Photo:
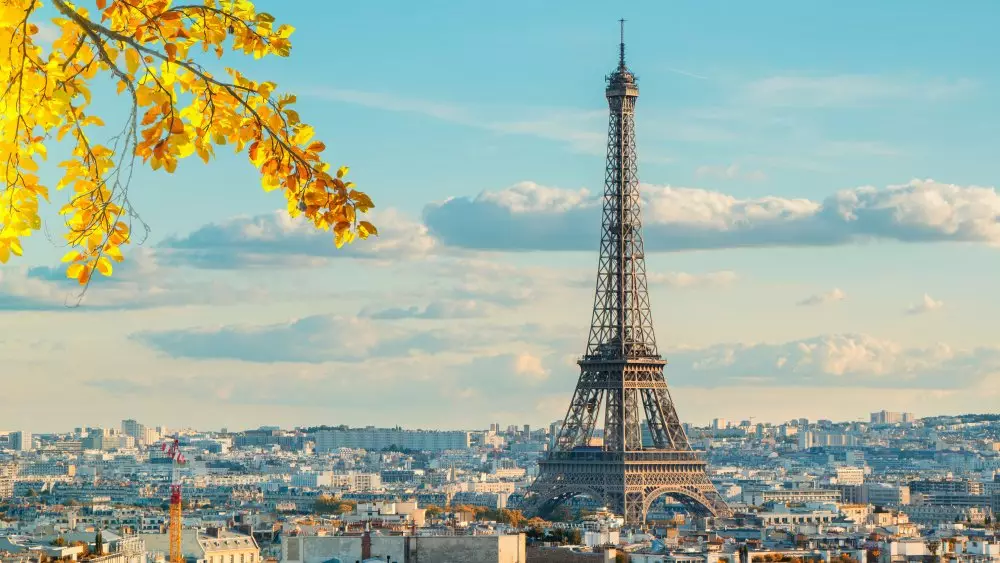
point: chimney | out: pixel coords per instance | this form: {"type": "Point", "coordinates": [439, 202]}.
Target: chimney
{"type": "Point", "coordinates": [366, 544]}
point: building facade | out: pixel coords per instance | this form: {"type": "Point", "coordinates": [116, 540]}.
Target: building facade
{"type": "Point", "coordinates": [404, 549]}
{"type": "Point", "coordinates": [371, 438]}
{"type": "Point", "coordinates": [8, 474]}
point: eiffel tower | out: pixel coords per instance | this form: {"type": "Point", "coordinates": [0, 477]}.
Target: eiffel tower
{"type": "Point", "coordinates": [621, 373]}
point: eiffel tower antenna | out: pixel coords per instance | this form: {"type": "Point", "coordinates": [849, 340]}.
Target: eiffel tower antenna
{"type": "Point", "coordinates": [642, 453]}
{"type": "Point", "coordinates": [621, 44]}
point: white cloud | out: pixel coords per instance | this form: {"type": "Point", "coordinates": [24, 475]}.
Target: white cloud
{"type": "Point", "coordinates": [527, 216]}
{"type": "Point", "coordinates": [141, 281]}
{"type": "Point", "coordinates": [847, 90]}
{"type": "Point", "coordinates": [849, 360]}
{"type": "Point", "coordinates": [530, 366]}
{"type": "Point", "coordinates": [312, 339]}
{"type": "Point", "coordinates": [439, 309]}
{"type": "Point", "coordinates": [275, 239]}
{"type": "Point", "coordinates": [686, 280]}
{"type": "Point", "coordinates": [731, 172]}
{"type": "Point", "coordinates": [926, 305]}
{"type": "Point", "coordinates": [832, 296]}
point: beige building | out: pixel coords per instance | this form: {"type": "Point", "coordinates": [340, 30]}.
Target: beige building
{"type": "Point", "coordinates": [387, 512]}
{"type": "Point", "coordinates": [404, 549]}
{"type": "Point", "coordinates": [492, 487]}
{"type": "Point", "coordinates": [8, 474]}
{"type": "Point", "coordinates": [857, 513]}
{"type": "Point", "coordinates": [211, 546]}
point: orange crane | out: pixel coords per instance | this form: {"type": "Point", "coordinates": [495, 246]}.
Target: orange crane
{"type": "Point", "coordinates": [176, 515]}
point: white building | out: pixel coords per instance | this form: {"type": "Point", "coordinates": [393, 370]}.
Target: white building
{"type": "Point", "coordinates": [374, 547]}
{"type": "Point", "coordinates": [850, 475]}
{"type": "Point", "coordinates": [18, 441]}
{"type": "Point", "coordinates": [371, 438]}
{"type": "Point", "coordinates": [8, 474]}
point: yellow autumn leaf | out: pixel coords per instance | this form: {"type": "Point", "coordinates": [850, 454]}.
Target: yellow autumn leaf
{"type": "Point", "coordinates": [71, 256]}
{"type": "Point", "coordinates": [367, 228]}
{"type": "Point", "coordinates": [131, 61]}
{"type": "Point", "coordinates": [74, 270]}
{"type": "Point", "coordinates": [157, 65]}
{"type": "Point", "coordinates": [104, 266]}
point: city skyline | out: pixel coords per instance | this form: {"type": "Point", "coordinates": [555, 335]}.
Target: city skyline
{"type": "Point", "coordinates": [782, 283]}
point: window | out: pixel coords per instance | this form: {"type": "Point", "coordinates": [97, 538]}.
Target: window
{"type": "Point", "coordinates": [243, 558]}
{"type": "Point", "coordinates": [232, 558]}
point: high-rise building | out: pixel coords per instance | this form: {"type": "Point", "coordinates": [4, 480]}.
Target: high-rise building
{"type": "Point", "coordinates": [8, 474]}
{"type": "Point", "coordinates": [141, 434]}
{"type": "Point", "coordinates": [17, 441]}
{"type": "Point", "coordinates": [891, 417]}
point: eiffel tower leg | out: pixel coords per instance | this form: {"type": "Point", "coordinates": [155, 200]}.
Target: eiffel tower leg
{"type": "Point", "coordinates": [635, 510]}
{"type": "Point", "coordinates": [671, 422]}
{"type": "Point", "coordinates": [613, 421]}
{"type": "Point", "coordinates": [632, 418]}
{"type": "Point", "coordinates": [580, 419]}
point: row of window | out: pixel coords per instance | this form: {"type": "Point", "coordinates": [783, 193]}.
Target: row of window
{"type": "Point", "coordinates": [232, 558]}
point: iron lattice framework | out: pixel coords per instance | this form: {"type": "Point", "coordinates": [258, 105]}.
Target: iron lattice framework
{"type": "Point", "coordinates": [621, 373]}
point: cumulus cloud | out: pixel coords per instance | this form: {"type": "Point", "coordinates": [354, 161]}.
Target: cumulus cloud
{"type": "Point", "coordinates": [832, 296]}
{"type": "Point", "coordinates": [848, 360]}
{"type": "Point", "coordinates": [312, 339]}
{"type": "Point", "coordinates": [677, 280]}
{"type": "Point", "coordinates": [530, 366]}
{"type": "Point", "coordinates": [684, 279]}
{"type": "Point", "coordinates": [275, 239]}
{"type": "Point", "coordinates": [926, 305]}
{"type": "Point", "coordinates": [326, 338]}
{"type": "Point", "coordinates": [527, 216]}
{"type": "Point", "coordinates": [442, 309]}
{"type": "Point", "coordinates": [141, 281]}
{"type": "Point", "coordinates": [731, 172]}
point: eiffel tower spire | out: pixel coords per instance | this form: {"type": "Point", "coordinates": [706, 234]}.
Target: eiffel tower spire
{"type": "Point", "coordinates": [621, 372]}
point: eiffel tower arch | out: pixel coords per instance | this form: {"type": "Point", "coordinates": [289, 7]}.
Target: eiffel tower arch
{"type": "Point", "coordinates": [621, 374]}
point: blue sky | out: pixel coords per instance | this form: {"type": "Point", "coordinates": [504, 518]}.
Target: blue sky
{"type": "Point", "coordinates": [770, 134]}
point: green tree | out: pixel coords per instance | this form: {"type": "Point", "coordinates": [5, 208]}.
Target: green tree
{"type": "Point", "coordinates": [433, 511]}
{"type": "Point", "coordinates": [99, 543]}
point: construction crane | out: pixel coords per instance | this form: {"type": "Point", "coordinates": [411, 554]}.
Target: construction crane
{"type": "Point", "coordinates": [176, 515]}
